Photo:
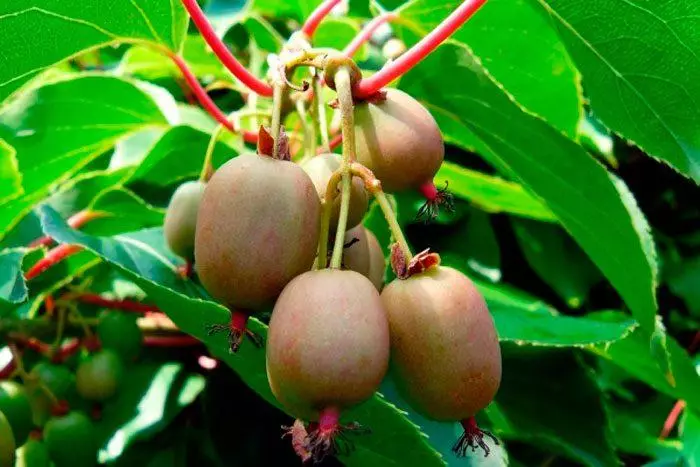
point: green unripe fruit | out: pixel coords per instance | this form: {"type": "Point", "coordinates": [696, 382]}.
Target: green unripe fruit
{"type": "Point", "coordinates": [120, 332]}
{"type": "Point", "coordinates": [14, 403]}
{"type": "Point", "coordinates": [58, 379]}
{"type": "Point", "coordinates": [398, 140]}
{"type": "Point", "coordinates": [445, 354]}
{"type": "Point", "coordinates": [33, 454]}
{"type": "Point", "coordinates": [181, 218]}
{"type": "Point", "coordinates": [257, 229]}
{"type": "Point", "coordinates": [7, 443]}
{"type": "Point", "coordinates": [328, 342]}
{"type": "Point", "coordinates": [320, 169]}
{"type": "Point", "coordinates": [364, 255]}
{"type": "Point", "coordinates": [70, 440]}
{"type": "Point", "coordinates": [99, 375]}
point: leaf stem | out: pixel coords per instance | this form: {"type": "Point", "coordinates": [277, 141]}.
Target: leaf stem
{"type": "Point", "coordinates": [52, 257]}
{"type": "Point", "coordinates": [368, 86]}
{"type": "Point", "coordinates": [366, 33]}
{"type": "Point", "coordinates": [75, 221]}
{"type": "Point", "coordinates": [208, 166]}
{"type": "Point", "coordinates": [322, 117]}
{"type": "Point", "coordinates": [251, 81]}
{"type": "Point", "coordinates": [315, 18]}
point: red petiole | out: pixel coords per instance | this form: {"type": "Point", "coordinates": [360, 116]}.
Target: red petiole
{"type": "Point", "coordinates": [315, 18]}
{"type": "Point", "coordinates": [367, 32]}
{"type": "Point", "coordinates": [52, 257]}
{"type": "Point", "coordinates": [125, 305]}
{"type": "Point", "coordinates": [75, 221]}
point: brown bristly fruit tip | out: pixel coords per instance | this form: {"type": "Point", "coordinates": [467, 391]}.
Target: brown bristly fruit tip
{"type": "Point", "coordinates": [96, 411]}
{"type": "Point", "coordinates": [298, 434]}
{"type": "Point", "coordinates": [92, 344]}
{"type": "Point", "coordinates": [421, 262]}
{"type": "Point", "coordinates": [473, 437]}
{"type": "Point", "coordinates": [266, 144]}
{"type": "Point", "coordinates": [236, 330]}
{"type": "Point", "coordinates": [185, 270]}
{"type": "Point", "coordinates": [60, 409]}
{"type": "Point", "coordinates": [328, 437]}
{"type": "Point", "coordinates": [434, 199]}
{"type": "Point", "coordinates": [36, 434]}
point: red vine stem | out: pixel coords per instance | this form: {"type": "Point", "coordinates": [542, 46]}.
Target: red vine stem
{"type": "Point", "coordinates": [206, 101]}
{"type": "Point", "coordinates": [170, 341]}
{"type": "Point", "coordinates": [53, 256]}
{"type": "Point", "coordinates": [75, 221]}
{"type": "Point", "coordinates": [254, 83]}
{"type": "Point", "coordinates": [126, 305]}
{"type": "Point", "coordinates": [315, 18]}
{"type": "Point", "coordinates": [367, 32]}
{"type": "Point", "coordinates": [368, 86]}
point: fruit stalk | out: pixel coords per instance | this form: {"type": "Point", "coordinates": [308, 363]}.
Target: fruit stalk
{"type": "Point", "coordinates": [367, 32]}
{"type": "Point", "coordinates": [315, 18]}
{"type": "Point", "coordinates": [418, 52]}
{"type": "Point", "coordinates": [207, 166]}
{"type": "Point", "coordinates": [322, 118]}
{"type": "Point", "coordinates": [276, 118]}
{"type": "Point", "coordinates": [308, 129]}
{"type": "Point", "coordinates": [251, 81]}
{"type": "Point", "coordinates": [52, 257]}
{"type": "Point", "coordinates": [343, 84]}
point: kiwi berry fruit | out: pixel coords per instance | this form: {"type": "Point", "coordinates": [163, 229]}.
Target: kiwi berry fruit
{"type": "Point", "coordinates": [33, 454]}
{"type": "Point", "coordinates": [257, 229]}
{"type": "Point", "coordinates": [181, 218]}
{"type": "Point", "coordinates": [363, 254]}
{"type": "Point", "coordinates": [98, 376]}
{"type": "Point", "coordinates": [398, 140]}
{"type": "Point", "coordinates": [71, 440]}
{"type": "Point", "coordinates": [320, 169]}
{"type": "Point", "coordinates": [7, 443]}
{"type": "Point", "coordinates": [327, 349]}
{"type": "Point", "coordinates": [58, 379]}
{"type": "Point", "coordinates": [445, 355]}
{"type": "Point", "coordinates": [15, 404]}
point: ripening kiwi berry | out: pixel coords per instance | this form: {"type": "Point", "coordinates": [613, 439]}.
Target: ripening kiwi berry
{"type": "Point", "coordinates": [70, 440]}
{"type": "Point", "coordinates": [363, 254]}
{"type": "Point", "coordinates": [445, 354]}
{"type": "Point", "coordinates": [58, 379]}
{"type": "Point", "coordinates": [257, 229]}
{"type": "Point", "coordinates": [327, 350]}
{"type": "Point", "coordinates": [121, 333]}
{"type": "Point", "coordinates": [33, 454]}
{"type": "Point", "coordinates": [398, 140]}
{"type": "Point", "coordinates": [14, 403]}
{"type": "Point", "coordinates": [320, 169]}
{"type": "Point", "coordinates": [181, 218]}
{"type": "Point", "coordinates": [7, 443]}
{"type": "Point", "coordinates": [98, 376]}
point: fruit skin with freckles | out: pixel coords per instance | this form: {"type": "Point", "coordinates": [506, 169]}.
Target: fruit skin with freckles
{"type": "Point", "coordinates": [445, 355]}
{"type": "Point", "coordinates": [181, 218]}
{"type": "Point", "coordinates": [363, 254]}
{"type": "Point", "coordinates": [398, 140]}
{"type": "Point", "coordinates": [328, 343]}
{"type": "Point", "coordinates": [320, 169]}
{"type": "Point", "coordinates": [257, 229]}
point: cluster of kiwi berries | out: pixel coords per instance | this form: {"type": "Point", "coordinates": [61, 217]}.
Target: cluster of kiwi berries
{"type": "Point", "coordinates": [48, 419]}
{"type": "Point", "coordinates": [252, 232]}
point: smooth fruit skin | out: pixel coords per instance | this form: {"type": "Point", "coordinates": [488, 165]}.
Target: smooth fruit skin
{"type": "Point", "coordinates": [98, 376]}
{"type": "Point", "coordinates": [33, 454]}
{"type": "Point", "coordinates": [445, 353]}
{"type": "Point", "coordinates": [398, 140]}
{"type": "Point", "coordinates": [70, 440]}
{"type": "Point", "coordinates": [181, 218]}
{"type": "Point", "coordinates": [257, 229]}
{"type": "Point", "coordinates": [365, 255]}
{"type": "Point", "coordinates": [7, 443]}
{"type": "Point", "coordinates": [320, 169]}
{"type": "Point", "coordinates": [14, 403]}
{"type": "Point", "coordinates": [120, 332]}
{"type": "Point", "coordinates": [58, 379]}
{"type": "Point", "coordinates": [328, 342]}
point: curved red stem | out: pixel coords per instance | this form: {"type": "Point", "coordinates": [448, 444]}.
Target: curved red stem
{"type": "Point", "coordinates": [368, 86]}
{"type": "Point", "coordinates": [126, 305]}
{"type": "Point", "coordinates": [206, 101]}
{"type": "Point", "coordinates": [254, 83]}
{"type": "Point", "coordinates": [52, 257]}
{"type": "Point", "coordinates": [672, 418]}
{"type": "Point", "coordinates": [170, 341]}
{"type": "Point", "coordinates": [315, 18]}
{"type": "Point", "coordinates": [75, 221]}
{"type": "Point", "coordinates": [367, 32]}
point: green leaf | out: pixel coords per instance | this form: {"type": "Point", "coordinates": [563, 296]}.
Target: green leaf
{"type": "Point", "coordinates": [10, 178]}
{"type": "Point", "coordinates": [519, 46]}
{"type": "Point", "coordinates": [12, 286]}
{"type": "Point", "coordinates": [690, 435]}
{"type": "Point", "coordinates": [299, 10]}
{"type": "Point", "coordinates": [639, 62]}
{"type": "Point", "coordinates": [551, 399]}
{"type": "Point", "coordinates": [490, 193]}
{"type": "Point", "coordinates": [59, 128]}
{"type": "Point", "coordinates": [557, 260]}
{"type": "Point", "coordinates": [40, 33]}
{"type": "Point", "coordinates": [143, 257]}
{"type": "Point", "coordinates": [263, 33]}
{"type": "Point", "coordinates": [683, 281]}
{"type": "Point", "coordinates": [124, 212]}
{"type": "Point", "coordinates": [336, 33]}
{"type": "Point", "coordinates": [594, 207]}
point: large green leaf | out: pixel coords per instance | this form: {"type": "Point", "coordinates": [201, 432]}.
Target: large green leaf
{"type": "Point", "coordinates": [640, 64]}
{"type": "Point", "coordinates": [144, 258]}
{"type": "Point", "coordinates": [597, 209]}
{"type": "Point", "coordinates": [58, 128]}
{"type": "Point", "coordinates": [37, 34]}
{"type": "Point", "coordinates": [12, 286]}
{"type": "Point", "coordinates": [490, 193]}
{"type": "Point", "coordinates": [691, 439]}
{"type": "Point", "coordinates": [299, 10]}
{"type": "Point", "coordinates": [519, 46]}
{"type": "Point", "coordinates": [10, 178]}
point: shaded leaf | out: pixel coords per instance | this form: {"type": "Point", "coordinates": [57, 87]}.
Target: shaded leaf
{"type": "Point", "coordinates": [12, 286]}
{"type": "Point", "coordinates": [10, 178]}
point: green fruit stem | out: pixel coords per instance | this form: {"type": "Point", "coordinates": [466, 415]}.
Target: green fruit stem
{"type": "Point", "coordinates": [207, 166]}
{"type": "Point", "coordinates": [343, 85]}
{"type": "Point", "coordinates": [322, 118]}
{"type": "Point", "coordinates": [278, 92]}
{"type": "Point", "coordinates": [308, 129]}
